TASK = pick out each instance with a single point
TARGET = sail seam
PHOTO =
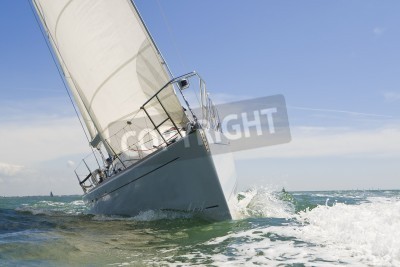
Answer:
(58, 19)
(109, 78)
(54, 60)
(89, 91)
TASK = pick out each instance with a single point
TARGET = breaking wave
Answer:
(273, 227)
(263, 202)
(331, 233)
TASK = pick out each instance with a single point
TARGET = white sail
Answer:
(110, 62)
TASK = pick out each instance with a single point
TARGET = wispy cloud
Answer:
(341, 111)
(38, 180)
(378, 31)
(32, 141)
(392, 96)
(38, 138)
(7, 169)
(33, 110)
(333, 142)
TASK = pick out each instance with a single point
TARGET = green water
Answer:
(276, 228)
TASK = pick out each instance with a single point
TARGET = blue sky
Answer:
(336, 62)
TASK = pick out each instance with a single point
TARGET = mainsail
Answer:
(111, 64)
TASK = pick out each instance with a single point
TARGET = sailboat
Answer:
(151, 149)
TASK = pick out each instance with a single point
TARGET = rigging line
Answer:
(58, 69)
(150, 37)
(171, 35)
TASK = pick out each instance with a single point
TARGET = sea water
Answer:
(274, 228)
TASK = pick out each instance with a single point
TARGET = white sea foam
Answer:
(370, 231)
(365, 234)
(262, 202)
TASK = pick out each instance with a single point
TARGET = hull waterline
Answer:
(185, 176)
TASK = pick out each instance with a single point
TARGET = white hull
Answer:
(200, 178)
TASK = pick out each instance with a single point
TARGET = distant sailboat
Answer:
(154, 151)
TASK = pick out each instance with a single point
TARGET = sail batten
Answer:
(110, 62)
